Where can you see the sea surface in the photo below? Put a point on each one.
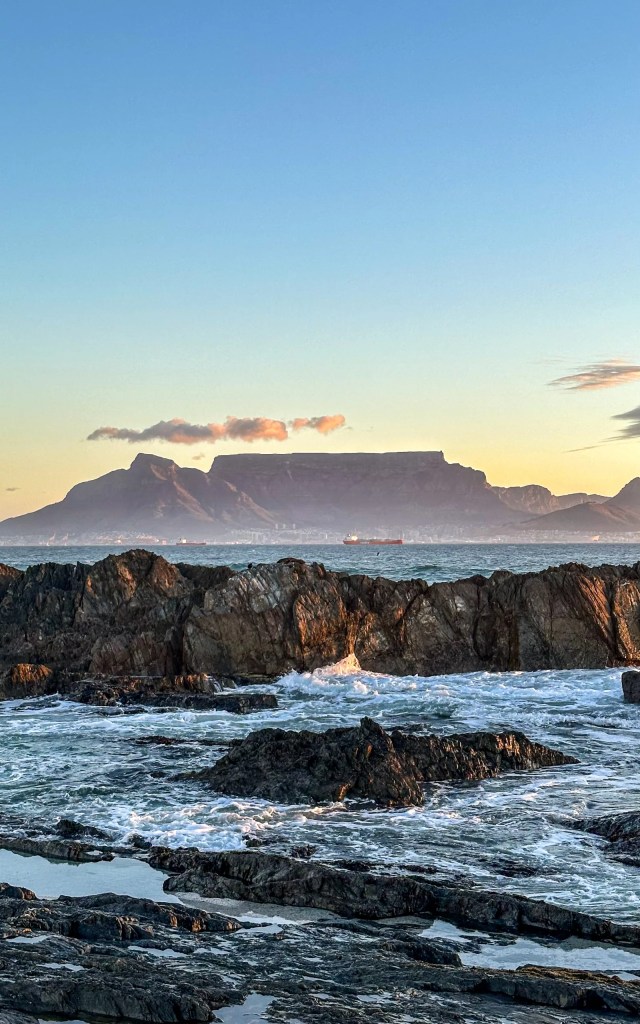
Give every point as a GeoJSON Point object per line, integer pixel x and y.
{"type": "Point", "coordinates": [432, 562]}
{"type": "Point", "coordinates": [514, 833]}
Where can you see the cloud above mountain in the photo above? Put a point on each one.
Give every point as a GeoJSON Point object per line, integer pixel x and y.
{"type": "Point", "coordinates": [234, 428]}
{"type": "Point", "coordinates": [611, 373]}
{"type": "Point", "coordinates": [323, 424]}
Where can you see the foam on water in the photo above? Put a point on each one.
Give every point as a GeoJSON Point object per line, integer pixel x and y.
{"type": "Point", "coordinates": [513, 832]}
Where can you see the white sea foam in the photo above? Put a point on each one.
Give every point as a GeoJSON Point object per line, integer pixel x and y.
{"type": "Point", "coordinates": [62, 759]}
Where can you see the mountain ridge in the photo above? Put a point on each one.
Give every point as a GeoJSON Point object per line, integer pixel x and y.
{"type": "Point", "coordinates": [315, 495]}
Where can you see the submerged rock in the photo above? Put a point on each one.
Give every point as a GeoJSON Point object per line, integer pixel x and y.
{"type": "Point", "coordinates": [621, 830]}
{"type": "Point", "coordinates": [366, 762]}
{"type": "Point", "coordinates": [135, 613]}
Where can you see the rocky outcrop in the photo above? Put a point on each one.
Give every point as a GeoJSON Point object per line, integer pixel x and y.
{"type": "Point", "coordinates": [622, 832]}
{"type": "Point", "coordinates": [366, 762]}
{"type": "Point", "coordinates": [24, 680]}
{"type": "Point", "coordinates": [196, 692]}
{"type": "Point", "coordinates": [631, 686]}
{"type": "Point", "coordinates": [54, 849]}
{"type": "Point", "coordinates": [136, 614]}
{"type": "Point", "coordinates": [269, 878]}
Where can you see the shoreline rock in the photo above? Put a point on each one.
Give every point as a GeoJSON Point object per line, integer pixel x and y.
{"type": "Point", "coordinates": [631, 686]}
{"type": "Point", "coordinates": [195, 692]}
{"type": "Point", "coordinates": [136, 614]}
{"type": "Point", "coordinates": [116, 957]}
{"type": "Point", "coordinates": [622, 831]}
{"type": "Point", "coordinates": [366, 762]}
{"type": "Point", "coordinates": [272, 878]}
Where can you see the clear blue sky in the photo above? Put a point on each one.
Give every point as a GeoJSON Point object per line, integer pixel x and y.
{"type": "Point", "coordinates": [415, 214]}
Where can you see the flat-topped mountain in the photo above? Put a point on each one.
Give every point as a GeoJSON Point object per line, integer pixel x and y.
{"type": "Point", "coordinates": [329, 493]}
{"type": "Point", "coordinates": [418, 495]}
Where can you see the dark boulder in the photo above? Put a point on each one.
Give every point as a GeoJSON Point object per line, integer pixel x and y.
{"type": "Point", "coordinates": [366, 762]}
{"type": "Point", "coordinates": [69, 829]}
{"type": "Point", "coordinates": [631, 686]}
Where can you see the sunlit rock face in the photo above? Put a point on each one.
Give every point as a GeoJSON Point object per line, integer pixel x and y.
{"type": "Point", "coordinates": [136, 613]}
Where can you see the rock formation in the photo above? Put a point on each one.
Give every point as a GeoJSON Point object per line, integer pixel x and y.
{"type": "Point", "coordinates": [622, 831]}
{"type": "Point", "coordinates": [136, 614]}
{"type": "Point", "coordinates": [366, 762]}
{"type": "Point", "coordinates": [119, 958]}
{"type": "Point", "coordinates": [271, 878]}
{"type": "Point", "coordinates": [631, 686]}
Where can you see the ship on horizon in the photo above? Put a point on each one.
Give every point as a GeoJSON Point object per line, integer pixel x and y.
{"type": "Point", "coordinates": [353, 538]}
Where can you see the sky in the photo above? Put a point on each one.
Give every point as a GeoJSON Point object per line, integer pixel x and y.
{"type": "Point", "coordinates": [413, 215]}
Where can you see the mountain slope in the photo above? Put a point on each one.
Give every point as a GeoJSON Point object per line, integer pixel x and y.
{"type": "Point", "coordinates": [537, 500]}
{"type": "Point", "coordinates": [154, 496]}
{"type": "Point", "coordinates": [620, 514]}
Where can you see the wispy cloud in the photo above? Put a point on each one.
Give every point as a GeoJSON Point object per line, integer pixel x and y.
{"type": "Point", "coordinates": [234, 428]}
{"type": "Point", "coordinates": [632, 428]}
{"type": "Point", "coordinates": [611, 373]}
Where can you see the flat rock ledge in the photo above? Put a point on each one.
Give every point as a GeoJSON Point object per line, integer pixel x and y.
{"type": "Point", "coordinates": [272, 878]}
{"type": "Point", "coordinates": [115, 958]}
{"type": "Point", "coordinates": [367, 762]}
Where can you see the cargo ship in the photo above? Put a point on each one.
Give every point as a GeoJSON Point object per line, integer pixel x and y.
{"type": "Point", "coordinates": [183, 542]}
{"type": "Point", "coordinates": [354, 539]}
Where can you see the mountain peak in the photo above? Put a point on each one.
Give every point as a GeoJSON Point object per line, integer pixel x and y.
{"type": "Point", "coordinates": [629, 496]}
{"type": "Point", "coordinates": [143, 462]}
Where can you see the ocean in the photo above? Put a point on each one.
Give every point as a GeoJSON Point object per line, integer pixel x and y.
{"type": "Point", "coordinates": [515, 832]}
{"type": "Point", "coordinates": [432, 562]}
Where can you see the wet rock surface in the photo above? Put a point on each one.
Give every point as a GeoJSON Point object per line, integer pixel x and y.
{"type": "Point", "coordinates": [271, 878]}
{"type": "Point", "coordinates": [631, 686]}
{"type": "Point", "coordinates": [195, 692]}
{"type": "Point", "coordinates": [622, 832]}
{"type": "Point", "coordinates": [114, 957]}
{"type": "Point", "coordinates": [54, 849]}
{"type": "Point", "coordinates": [366, 762]}
{"type": "Point", "coordinates": [135, 613]}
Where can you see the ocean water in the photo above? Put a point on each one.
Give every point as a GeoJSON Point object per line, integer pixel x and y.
{"type": "Point", "coordinates": [514, 832]}
{"type": "Point", "coordinates": [432, 562]}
